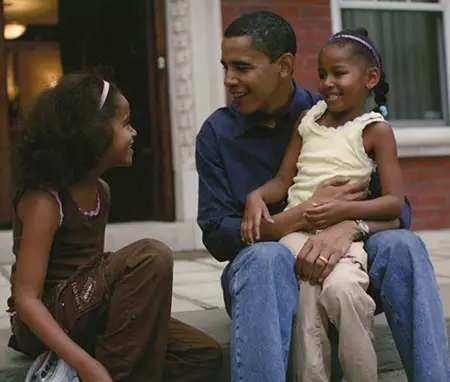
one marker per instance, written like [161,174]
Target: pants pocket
[79,305]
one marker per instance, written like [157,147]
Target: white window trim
[418,141]
[389,5]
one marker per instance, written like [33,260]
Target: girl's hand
[255,210]
[94,372]
[325,213]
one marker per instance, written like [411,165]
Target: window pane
[410,44]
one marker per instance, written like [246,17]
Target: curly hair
[65,135]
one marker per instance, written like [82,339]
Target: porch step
[216,323]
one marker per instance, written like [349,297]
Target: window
[410,36]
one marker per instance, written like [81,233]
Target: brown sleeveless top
[76,241]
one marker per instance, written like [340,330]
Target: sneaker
[48,367]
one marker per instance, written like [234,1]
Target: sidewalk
[197,289]
[197,275]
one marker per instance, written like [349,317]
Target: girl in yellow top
[336,137]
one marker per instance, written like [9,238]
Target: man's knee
[399,246]
[392,240]
[264,256]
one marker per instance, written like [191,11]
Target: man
[241,147]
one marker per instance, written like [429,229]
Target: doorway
[125,42]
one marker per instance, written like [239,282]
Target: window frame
[418,139]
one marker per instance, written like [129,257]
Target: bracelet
[363,228]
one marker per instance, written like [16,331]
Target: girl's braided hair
[360,43]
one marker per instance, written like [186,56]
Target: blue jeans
[261,294]
[402,277]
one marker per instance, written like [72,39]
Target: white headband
[105,92]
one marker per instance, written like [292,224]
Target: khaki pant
[343,301]
[117,308]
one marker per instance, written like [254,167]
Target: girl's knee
[151,253]
[294,241]
[340,291]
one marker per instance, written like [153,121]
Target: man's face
[250,77]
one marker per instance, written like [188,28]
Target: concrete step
[216,323]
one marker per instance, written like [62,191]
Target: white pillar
[194,34]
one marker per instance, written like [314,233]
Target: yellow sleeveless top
[328,151]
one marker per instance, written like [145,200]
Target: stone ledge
[216,323]
[413,142]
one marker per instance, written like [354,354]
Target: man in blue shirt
[239,148]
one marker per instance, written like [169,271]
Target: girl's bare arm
[380,139]
[39,213]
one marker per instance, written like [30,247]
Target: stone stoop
[216,323]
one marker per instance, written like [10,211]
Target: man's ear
[372,78]
[286,63]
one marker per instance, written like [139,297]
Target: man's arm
[219,212]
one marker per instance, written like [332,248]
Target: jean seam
[396,318]
[238,358]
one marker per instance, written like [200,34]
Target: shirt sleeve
[316,97]
[405,218]
[219,212]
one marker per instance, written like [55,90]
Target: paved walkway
[197,288]
[197,276]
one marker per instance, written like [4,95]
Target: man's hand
[322,251]
[325,213]
[338,187]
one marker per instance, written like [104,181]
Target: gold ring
[325,260]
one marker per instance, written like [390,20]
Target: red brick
[316,11]
[427,183]
[431,201]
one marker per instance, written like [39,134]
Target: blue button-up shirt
[234,156]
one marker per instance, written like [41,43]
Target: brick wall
[427,180]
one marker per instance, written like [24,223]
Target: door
[5,180]
[125,41]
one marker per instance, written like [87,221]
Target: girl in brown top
[106,314]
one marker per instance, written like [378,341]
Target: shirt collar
[245,123]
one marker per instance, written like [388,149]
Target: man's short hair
[270,33]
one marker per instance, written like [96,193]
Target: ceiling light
[14,30]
